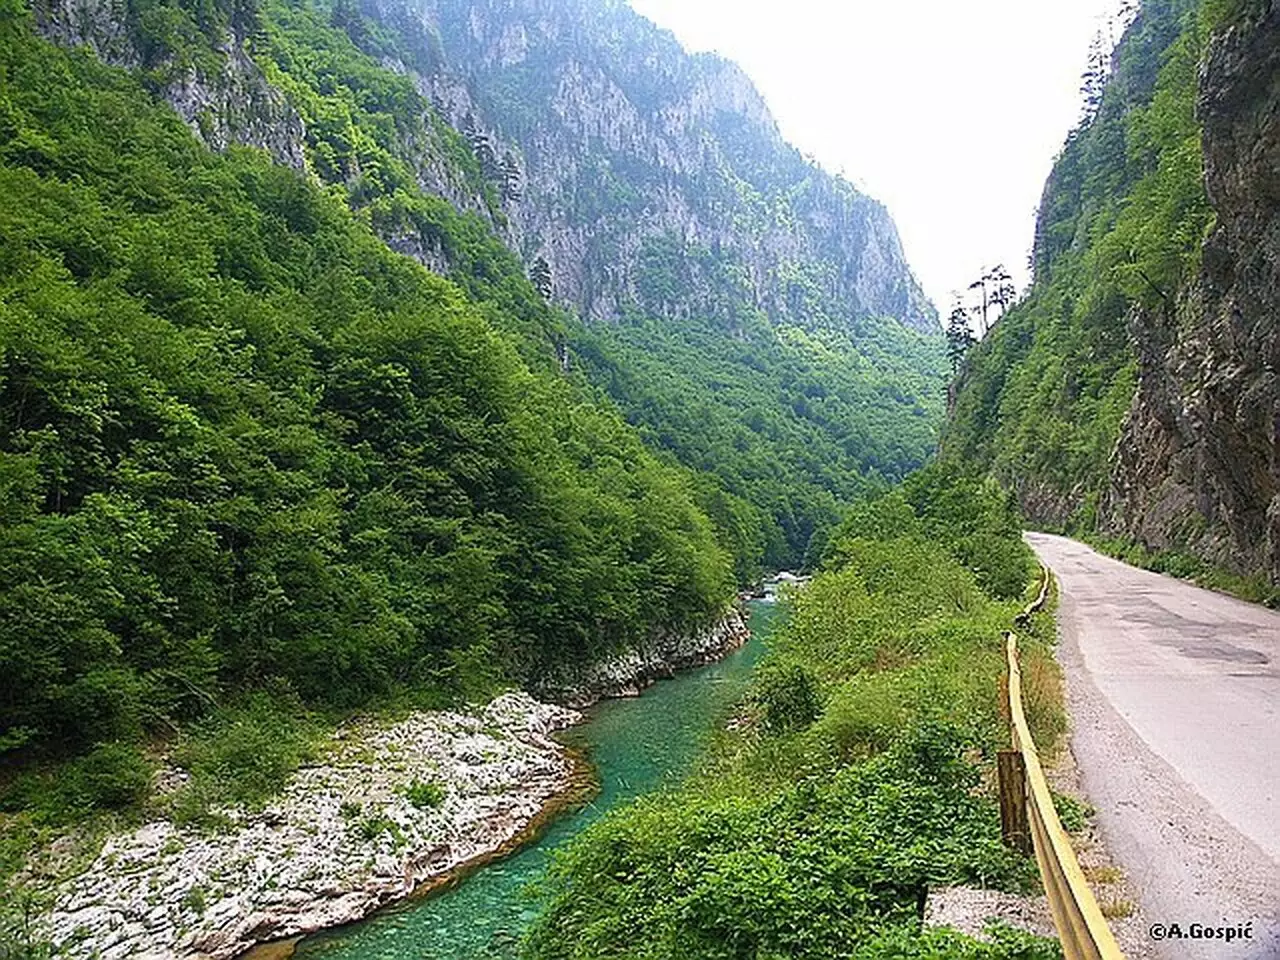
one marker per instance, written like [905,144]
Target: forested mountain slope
[745,289]
[246,446]
[752,313]
[1133,391]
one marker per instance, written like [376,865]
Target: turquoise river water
[635,745]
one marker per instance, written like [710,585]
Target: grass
[1253,588]
[426,794]
[1072,812]
[242,756]
[1103,875]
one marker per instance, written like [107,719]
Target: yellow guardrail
[1082,929]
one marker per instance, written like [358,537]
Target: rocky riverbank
[627,674]
[390,807]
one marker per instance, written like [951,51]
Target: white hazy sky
[950,112]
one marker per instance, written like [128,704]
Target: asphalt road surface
[1174,695]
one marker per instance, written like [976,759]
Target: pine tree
[959,336]
[511,177]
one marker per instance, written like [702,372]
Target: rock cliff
[635,175]
[215,86]
[648,178]
[1133,392]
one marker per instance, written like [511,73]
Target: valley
[384,382]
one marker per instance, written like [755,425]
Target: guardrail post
[1014,828]
[1082,929]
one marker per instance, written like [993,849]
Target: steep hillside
[1131,392]
[742,288]
[724,281]
[625,150]
[245,446]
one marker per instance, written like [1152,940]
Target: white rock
[299,865]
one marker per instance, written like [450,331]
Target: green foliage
[976,520]
[1073,813]
[21,933]
[808,871]
[195,900]
[816,831]
[788,697]
[426,794]
[110,776]
[1124,213]
[244,446]
[243,753]
[376,826]
[793,423]
[906,942]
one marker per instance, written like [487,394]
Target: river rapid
[636,745]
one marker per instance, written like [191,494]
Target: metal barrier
[1027,808]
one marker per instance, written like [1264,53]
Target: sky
[950,112]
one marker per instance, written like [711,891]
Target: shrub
[244,753]
[111,776]
[789,697]
[425,794]
[803,872]
[1002,568]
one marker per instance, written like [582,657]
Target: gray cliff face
[227,103]
[1197,464]
[643,169]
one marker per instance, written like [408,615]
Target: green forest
[786,421]
[1041,399]
[792,423]
[245,446]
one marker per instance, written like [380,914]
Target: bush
[908,942]
[425,794]
[244,753]
[1002,569]
[803,872]
[109,777]
[789,697]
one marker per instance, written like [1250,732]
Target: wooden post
[1014,828]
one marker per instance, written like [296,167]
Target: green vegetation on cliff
[787,419]
[793,424]
[1041,399]
[849,783]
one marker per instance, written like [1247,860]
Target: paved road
[1174,694]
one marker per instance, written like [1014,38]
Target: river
[635,744]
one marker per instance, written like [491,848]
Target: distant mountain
[649,178]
